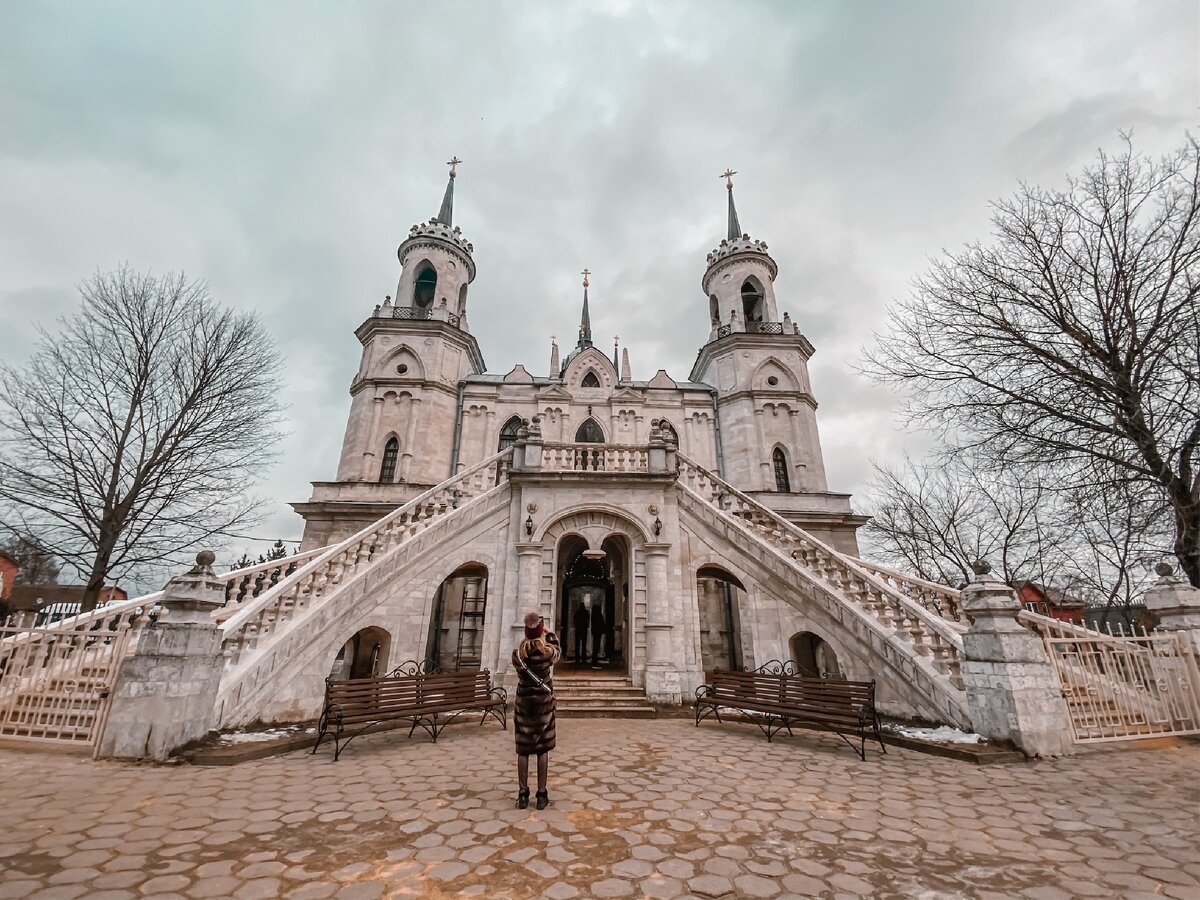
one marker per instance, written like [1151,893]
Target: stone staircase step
[607,712]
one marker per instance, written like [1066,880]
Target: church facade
[594,519]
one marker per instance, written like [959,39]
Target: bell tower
[758,363]
[415,350]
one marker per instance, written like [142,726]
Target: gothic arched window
[589,433]
[781,471]
[387,472]
[590,380]
[752,301]
[425,287]
[508,434]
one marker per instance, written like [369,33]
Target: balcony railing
[613,459]
[422,313]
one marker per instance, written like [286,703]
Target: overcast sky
[282,150]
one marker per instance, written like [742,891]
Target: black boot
[543,799]
[523,799]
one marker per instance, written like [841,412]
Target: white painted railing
[595,458]
[255,621]
[246,584]
[928,634]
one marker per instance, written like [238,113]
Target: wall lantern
[657,526]
[529,526]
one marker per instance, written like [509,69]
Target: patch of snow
[250,737]
[943,734]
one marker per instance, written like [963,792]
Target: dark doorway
[814,657]
[593,602]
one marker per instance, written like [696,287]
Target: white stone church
[592,520]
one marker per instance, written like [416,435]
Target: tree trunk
[1187,538]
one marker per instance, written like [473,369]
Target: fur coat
[533,716]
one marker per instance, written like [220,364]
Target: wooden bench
[780,700]
[430,700]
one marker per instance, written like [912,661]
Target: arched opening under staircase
[593,604]
[720,597]
[455,637]
[814,657]
[365,655]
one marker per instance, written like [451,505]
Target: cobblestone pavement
[656,809]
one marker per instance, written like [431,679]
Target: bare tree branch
[1072,341]
[136,430]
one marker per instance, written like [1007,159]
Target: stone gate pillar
[1176,603]
[165,692]
[662,678]
[1013,693]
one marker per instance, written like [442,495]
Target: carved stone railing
[615,459]
[248,583]
[936,598]
[255,621]
[930,636]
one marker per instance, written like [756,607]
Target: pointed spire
[554,369]
[585,321]
[446,213]
[735,228]
[625,376]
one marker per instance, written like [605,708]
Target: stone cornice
[739,340]
[725,257]
[425,327]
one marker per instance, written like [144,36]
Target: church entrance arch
[593,603]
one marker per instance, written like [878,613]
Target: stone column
[662,678]
[1013,693]
[1176,603]
[410,437]
[764,454]
[165,692]
[369,472]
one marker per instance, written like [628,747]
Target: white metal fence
[1129,686]
[55,685]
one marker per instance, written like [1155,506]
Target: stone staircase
[600,696]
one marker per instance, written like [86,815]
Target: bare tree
[1073,339]
[135,432]
[938,519]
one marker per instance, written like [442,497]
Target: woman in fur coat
[533,717]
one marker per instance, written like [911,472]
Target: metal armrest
[704,691]
[500,692]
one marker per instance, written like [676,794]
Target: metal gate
[1128,687]
[55,685]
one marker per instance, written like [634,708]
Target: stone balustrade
[254,622]
[936,598]
[611,459]
[930,635]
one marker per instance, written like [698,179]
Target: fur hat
[535,627]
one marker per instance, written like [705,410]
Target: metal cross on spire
[453,163]
[734,231]
[585,273]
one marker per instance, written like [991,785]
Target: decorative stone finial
[204,563]
[981,567]
[1164,570]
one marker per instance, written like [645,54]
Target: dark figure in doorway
[581,629]
[597,632]
[533,715]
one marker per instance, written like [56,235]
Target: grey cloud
[281,150]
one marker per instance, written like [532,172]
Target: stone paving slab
[641,809]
